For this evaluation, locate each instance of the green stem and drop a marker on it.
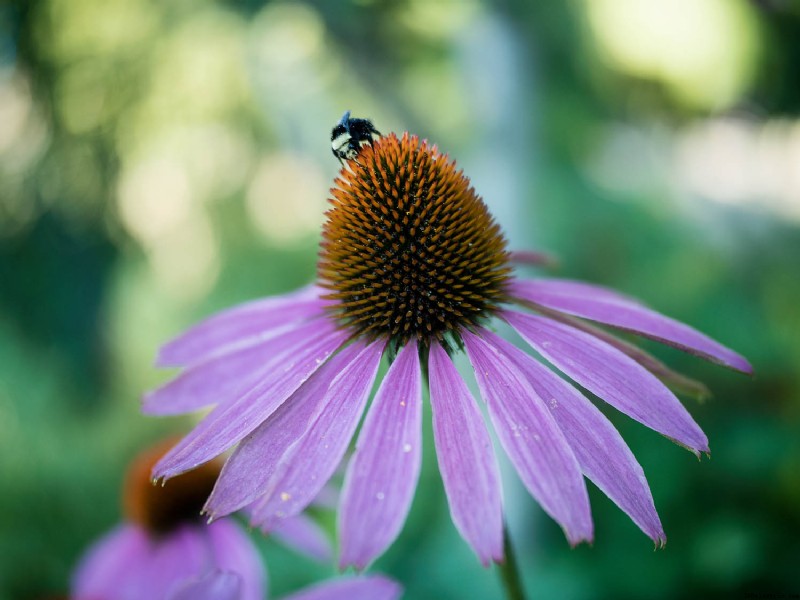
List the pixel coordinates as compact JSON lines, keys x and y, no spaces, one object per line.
{"x":509,"y":571}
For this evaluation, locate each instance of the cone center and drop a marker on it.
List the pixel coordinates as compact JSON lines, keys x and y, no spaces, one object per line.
{"x":409,"y":249}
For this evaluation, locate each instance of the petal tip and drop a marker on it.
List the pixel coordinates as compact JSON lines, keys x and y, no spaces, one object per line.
{"x":149,"y":402}
{"x":487,"y":560}
{"x":162,"y":471}
{"x":163,"y":362}
{"x":346,"y":563}
{"x":576,"y":540}
{"x":744,"y":366}
{"x":167,"y":358}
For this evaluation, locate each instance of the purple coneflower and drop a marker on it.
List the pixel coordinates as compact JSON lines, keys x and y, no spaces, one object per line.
{"x":413,"y":267}
{"x":165,"y":551}
{"x":163,"y":546}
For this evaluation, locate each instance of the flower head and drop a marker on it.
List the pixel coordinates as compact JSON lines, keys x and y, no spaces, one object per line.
{"x":409,"y":250}
{"x":164,"y":548}
{"x":413,"y":266}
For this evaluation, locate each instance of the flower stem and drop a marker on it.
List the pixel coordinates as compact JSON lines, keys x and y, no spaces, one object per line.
{"x":509,"y":570}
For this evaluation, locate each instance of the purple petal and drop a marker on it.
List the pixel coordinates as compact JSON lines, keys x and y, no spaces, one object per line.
{"x":533,"y":441}
{"x":601,"y":452}
{"x":372,"y":587}
{"x":303,"y":534}
{"x":610,"y":374}
{"x":676,"y":381}
{"x":214,"y":585}
{"x":532,"y":258}
{"x":238,"y":325}
{"x":306,"y":469}
{"x":328,"y":497}
{"x":225,"y":378}
{"x":234,"y":551}
{"x":229,"y":423}
{"x":113,"y":566}
{"x":255,"y":461}
{"x":466,"y":459}
{"x":567,"y":287}
{"x":382,"y":475}
{"x":182,"y":555}
{"x":604,"y":306}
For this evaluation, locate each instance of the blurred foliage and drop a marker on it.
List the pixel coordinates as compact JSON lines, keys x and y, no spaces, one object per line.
{"x":159,"y":161}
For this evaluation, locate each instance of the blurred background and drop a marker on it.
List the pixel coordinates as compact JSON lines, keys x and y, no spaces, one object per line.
{"x":162,"y":160}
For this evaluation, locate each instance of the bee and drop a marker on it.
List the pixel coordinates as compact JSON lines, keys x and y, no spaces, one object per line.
{"x":348,"y":135}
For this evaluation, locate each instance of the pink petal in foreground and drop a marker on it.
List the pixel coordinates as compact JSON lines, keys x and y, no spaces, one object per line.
{"x":229,"y":423}
{"x":371,"y":587}
{"x":601,"y":452}
{"x":613,"y":376}
{"x":534,"y":443}
{"x":382,"y":475}
{"x":313,"y":459}
{"x":604,"y":306}
{"x":255,"y":461}
{"x":466,"y":459}
{"x":239,"y":325}
{"x":223,"y":379}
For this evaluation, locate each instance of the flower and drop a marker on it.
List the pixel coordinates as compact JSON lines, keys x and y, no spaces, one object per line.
{"x":164,"y":548}
{"x":413,"y":267}
{"x":165,"y":551}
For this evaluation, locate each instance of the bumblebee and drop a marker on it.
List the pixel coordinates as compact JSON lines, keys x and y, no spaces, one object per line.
{"x":348,"y":135}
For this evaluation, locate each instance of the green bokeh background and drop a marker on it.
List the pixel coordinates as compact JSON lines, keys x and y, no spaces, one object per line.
{"x":162,"y":160}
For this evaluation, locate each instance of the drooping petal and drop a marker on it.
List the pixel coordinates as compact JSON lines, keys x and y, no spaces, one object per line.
{"x":303,"y":534}
{"x":114,"y":566}
{"x":601,"y":452}
{"x":371,"y":587}
{"x":382,"y":475}
{"x":214,"y":585}
{"x":305,"y":470}
{"x":255,"y":461}
{"x":238,"y":326}
{"x":674,"y":380}
{"x":605,"y":306}
{"x":466,"y":459}
{"x":613,"y":376}
{"x":234,"y":551}
{"x":223,"y":379}
{"x":531,"y":438}
{"x":568,"y":287}
{"x":533,"y":258}
{"x":230,"y":423}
